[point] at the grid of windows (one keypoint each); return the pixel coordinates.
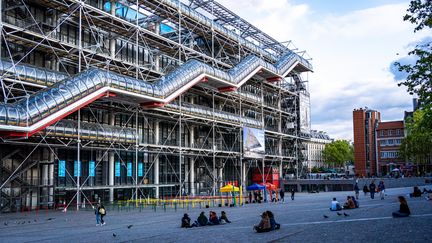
(389, 154)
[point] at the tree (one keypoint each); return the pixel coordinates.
(419, 74)
(417, 145)
(338, 153)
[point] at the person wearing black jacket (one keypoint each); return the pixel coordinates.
(404, 210)
(185, 221)
(372, 188)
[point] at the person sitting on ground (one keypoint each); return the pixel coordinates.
(404, 210)
(416, 193)
(335, 205)
(349, 204)
(223, 218)
(185, 221)
(201, 221)
(356, 203)
(213, 219)
(273, 224)
(264, 225)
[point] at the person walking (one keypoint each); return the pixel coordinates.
(273, 196)
(292, 194)
(102, 213)
(282, 195)
(381, 188)
(356, 190)
(372, 188)
(97, 215)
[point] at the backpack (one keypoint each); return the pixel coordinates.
(102, 210)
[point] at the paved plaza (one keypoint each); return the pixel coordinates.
(302, 220)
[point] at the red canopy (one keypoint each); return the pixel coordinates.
(269, 186)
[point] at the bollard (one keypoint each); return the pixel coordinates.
(175, 206)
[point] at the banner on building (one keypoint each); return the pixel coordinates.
(140, 169)
(253, 143)
(117, 169)
(77, 168)
(129, 169)
(304, 113)
(92, 168)
(62, 168)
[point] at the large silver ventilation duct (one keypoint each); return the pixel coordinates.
(52, 103)
(68, 129)
(26, 72)
(206, 112)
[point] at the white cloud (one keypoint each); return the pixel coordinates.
(351, 56)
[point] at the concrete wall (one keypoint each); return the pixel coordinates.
(348, 185)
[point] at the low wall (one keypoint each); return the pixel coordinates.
(306, 185)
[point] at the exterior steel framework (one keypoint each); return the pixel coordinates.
(114, 100)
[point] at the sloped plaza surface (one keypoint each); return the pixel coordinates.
(302, 220)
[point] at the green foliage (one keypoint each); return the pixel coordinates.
(417, 145)
(419, 79)
(338, 153)
(419, 13)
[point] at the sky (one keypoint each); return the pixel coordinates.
(353, 45)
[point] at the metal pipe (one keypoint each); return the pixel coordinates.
(66, 95)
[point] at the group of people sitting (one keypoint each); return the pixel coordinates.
(203, 220)
(267, 223)
(351, 203)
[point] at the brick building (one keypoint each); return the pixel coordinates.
(365, 122)
(389, 138)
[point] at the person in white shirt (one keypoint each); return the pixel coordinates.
(335, 205)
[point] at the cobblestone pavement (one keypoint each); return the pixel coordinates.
(302, 220)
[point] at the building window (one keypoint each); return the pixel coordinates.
(390, 132)
(398, 132)
(389, 154)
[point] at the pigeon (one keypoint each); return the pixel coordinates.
(114, 235)
(129, 226)
(23, 222)
(35, 220)
(339, 214)
(325, 216)
(5, 223)
(50, 218)
(28, 222)
(345, 214)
